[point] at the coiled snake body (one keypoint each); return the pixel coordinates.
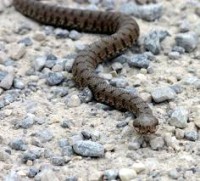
(123, 31)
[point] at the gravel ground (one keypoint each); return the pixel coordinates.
(51, 130)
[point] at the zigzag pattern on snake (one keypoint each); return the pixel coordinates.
(123, 31)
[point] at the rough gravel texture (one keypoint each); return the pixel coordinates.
(51, 130)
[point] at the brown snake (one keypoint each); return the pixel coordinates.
(123, 31)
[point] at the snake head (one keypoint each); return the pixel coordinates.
(145, 123)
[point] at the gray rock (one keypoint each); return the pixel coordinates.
(174, 174)
(10, 96)
(79, 46)
(74, 35)
(174, 55)
(7, 81)
(157, 143)
(55, 78)
(57, 161)
(119, 82)
(68, 65)
(63, 142)
(139, 60)
(184, 26)
(67, 151)
(188, 41)
(33, 172)
(61, 33)
(179, 118)
(73, 101)
(191, 135)
(153, 39)
(93, 1)
(146, 12)
(85, 95)
(23, 29)
(50, 63)
(27, 122)
(44, 135)
(66, 124)
(71, 178)
(88, 149)
(39, 63)
(76, 138)
(4, 156)
(109, 4)
(31, 155)
(26, 41)
(18, 144)
(117, 66)
(177, 88)
(18, 84)
(60, 91)
(162, 94)
(110, 175)
(51, 56)
(190, 80)
(179, 49)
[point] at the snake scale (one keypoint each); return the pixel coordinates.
(123, 31)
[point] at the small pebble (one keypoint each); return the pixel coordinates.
(61, 33)
(39, 36)
(110, 174)
(44, 135)
(117, 66)
(39, 63)
(139, 60)
(68, 65)
(18, 84)
(88, 149)
(162, 94)
(7, 81)
(179, 49)
(74, 35)
(19, 52)
(146, 12)
(18, 144)
(127, 174)
(27, 122)
(31, 155)
(71, 178)
(66, 124)
(26, 41)
(86, 95)
(57, 161)
(63, 142)
(188, 41)
(55, 78)
(73, 101)
(179, 117)
(153, 39)
(67, 151)
(174, 174)
(32, 172)
(174, 55)
(157, 143)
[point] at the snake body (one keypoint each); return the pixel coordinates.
(123, 31)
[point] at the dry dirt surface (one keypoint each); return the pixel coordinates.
(50, 130)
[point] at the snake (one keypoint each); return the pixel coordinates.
(122, 30)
